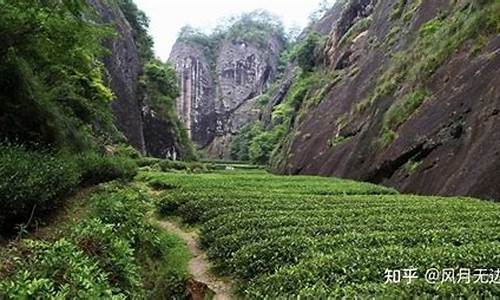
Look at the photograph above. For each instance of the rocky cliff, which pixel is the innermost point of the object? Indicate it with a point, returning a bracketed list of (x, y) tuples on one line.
[(413, 101), (148, 131), (123, 67), (220, 86)]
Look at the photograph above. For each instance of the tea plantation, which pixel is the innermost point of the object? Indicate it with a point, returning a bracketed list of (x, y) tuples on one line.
[(283, 237)]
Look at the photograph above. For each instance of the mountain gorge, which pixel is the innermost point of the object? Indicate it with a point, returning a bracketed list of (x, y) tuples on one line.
[(402, 93), (125, 176)]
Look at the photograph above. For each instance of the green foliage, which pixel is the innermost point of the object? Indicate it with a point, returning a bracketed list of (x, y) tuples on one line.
[(399, 113), (398, 9), (241, 143), (35, 183), (339, 140), (58, 269), (32, 183), (170, 202), (52, 89), (285, 237), (412, 166), (259, 145), (161, 259), (189, 34), (305, 53), (95, 168), (254, 27), (359, 27), (438, 39), (125, 150), (113, 253), (160, 86), (262, 145), (140, 25), (264, 100)]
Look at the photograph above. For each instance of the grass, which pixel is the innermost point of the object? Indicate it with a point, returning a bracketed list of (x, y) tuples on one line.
[(399, 113), (359, 27), (283, 237)]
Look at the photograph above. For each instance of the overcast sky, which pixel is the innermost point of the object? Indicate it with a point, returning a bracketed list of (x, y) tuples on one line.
[(169, 16)]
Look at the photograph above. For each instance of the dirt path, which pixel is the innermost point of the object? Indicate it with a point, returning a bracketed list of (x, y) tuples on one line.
[(199, 266)]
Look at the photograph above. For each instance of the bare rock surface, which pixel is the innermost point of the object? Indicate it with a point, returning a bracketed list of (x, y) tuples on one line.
[(219, 88)]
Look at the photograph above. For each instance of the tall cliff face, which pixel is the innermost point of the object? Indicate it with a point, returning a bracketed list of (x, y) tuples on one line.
[(220, 88), (123, 67), (196, 104), (413, 102), (151, 132)]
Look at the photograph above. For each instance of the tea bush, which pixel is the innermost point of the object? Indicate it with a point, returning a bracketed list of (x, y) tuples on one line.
[(96, 168), (113, 253), (34, 183), (58, 269), (317, 238)]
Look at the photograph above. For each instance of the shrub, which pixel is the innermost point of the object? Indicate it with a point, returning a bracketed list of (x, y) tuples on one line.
[(162, 258), (241, 143), (169, 203), (158, 184), (31, 183), (306, 52), (58, 269), (124, 150), (34, 183), (114, 254), (96, 168), (399, 113), (147, 161), (359, 27)]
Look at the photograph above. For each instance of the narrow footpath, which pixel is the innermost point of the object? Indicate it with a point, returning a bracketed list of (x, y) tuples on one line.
[(199, 267)]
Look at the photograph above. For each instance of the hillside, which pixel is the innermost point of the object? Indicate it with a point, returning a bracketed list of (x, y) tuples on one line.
[(402, 93)]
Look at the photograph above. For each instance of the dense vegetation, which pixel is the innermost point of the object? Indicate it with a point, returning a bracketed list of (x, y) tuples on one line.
[(56, 123), (258, 144), (160, 88), (437, 39), (52, 89), (284, 237), (256, 27), (34, 184), (158, 84), (110, 252)]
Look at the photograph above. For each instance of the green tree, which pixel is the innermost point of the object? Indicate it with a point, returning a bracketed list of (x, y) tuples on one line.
[(51, 87), (139, 22), (306, 52), (241, 143)]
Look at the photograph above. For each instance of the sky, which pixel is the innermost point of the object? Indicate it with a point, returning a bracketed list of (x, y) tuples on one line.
[(169, 16)]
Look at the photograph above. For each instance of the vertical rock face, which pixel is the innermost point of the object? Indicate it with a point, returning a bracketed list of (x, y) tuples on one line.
[(196, 104), (444, 142), (219, 90), (123, 68), (142, 126)]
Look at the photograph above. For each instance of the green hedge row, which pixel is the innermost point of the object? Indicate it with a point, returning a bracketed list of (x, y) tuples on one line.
[(34, 183), (113, 253)]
